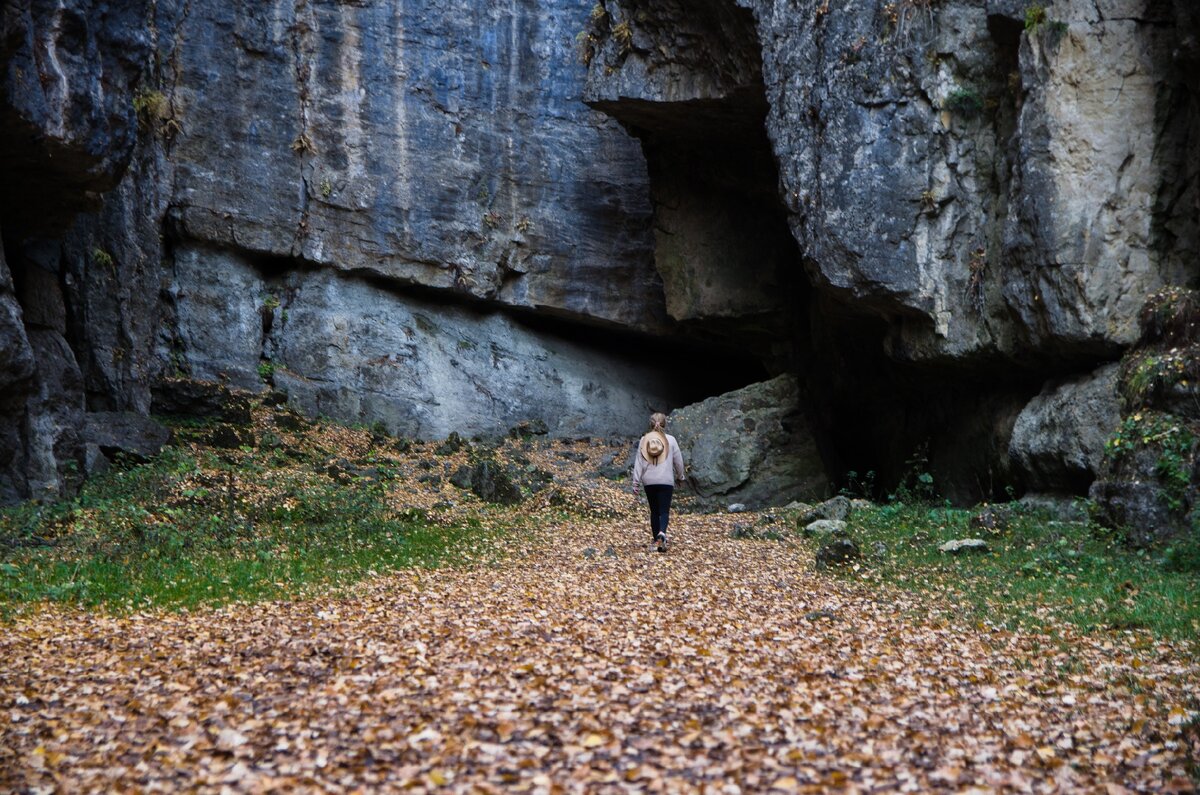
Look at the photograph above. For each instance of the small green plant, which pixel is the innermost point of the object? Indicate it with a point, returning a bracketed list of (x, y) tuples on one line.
[(151, 107), (102, 258), (326, 188), (1035, 17), (270, 301), (916, 484), (964, 101), (524, 225), (266, 371), (1176, 447), (929, 201), (859, 486)]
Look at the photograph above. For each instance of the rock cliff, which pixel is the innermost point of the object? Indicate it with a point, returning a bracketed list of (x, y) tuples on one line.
[(938, 217)]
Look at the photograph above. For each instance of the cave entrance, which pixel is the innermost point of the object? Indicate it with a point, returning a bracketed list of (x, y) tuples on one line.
[(686, 80), (730, 268)]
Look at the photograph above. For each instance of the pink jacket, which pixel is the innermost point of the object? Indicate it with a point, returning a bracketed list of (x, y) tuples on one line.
[(664, 473)]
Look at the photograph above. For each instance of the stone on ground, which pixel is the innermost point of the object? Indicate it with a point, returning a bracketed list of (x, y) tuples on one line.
[(752, 445)]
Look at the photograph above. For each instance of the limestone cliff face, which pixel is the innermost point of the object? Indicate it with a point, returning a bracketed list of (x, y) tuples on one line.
[(966, 189), (439, 143), (454, 214)]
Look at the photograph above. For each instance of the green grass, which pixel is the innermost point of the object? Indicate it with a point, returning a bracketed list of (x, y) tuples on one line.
[(1038, 572), (191, 529)]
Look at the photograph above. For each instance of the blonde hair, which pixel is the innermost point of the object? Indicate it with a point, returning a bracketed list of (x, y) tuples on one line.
[(658, 421)]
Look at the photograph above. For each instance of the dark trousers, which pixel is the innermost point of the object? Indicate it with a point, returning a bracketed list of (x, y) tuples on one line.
[(659, 498)]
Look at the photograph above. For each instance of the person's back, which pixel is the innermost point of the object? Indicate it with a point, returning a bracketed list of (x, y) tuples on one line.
[(657, 465), (667, 471)]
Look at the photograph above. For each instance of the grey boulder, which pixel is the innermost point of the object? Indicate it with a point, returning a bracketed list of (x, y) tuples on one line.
[(964, 545), (752, 445), (825, 528)]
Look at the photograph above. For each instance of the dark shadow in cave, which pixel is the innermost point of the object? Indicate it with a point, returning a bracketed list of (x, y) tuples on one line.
[(734, 274)]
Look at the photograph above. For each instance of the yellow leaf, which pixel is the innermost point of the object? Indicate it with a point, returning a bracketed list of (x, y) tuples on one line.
[(593, 740)]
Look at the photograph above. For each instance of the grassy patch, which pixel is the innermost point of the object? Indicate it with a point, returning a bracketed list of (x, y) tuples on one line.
[(1038, 571), (195, 528)]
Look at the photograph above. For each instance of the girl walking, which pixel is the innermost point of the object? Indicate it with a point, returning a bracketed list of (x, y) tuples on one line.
[(656, 467)]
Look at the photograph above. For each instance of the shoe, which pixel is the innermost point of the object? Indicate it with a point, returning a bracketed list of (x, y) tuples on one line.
[(661, 538)]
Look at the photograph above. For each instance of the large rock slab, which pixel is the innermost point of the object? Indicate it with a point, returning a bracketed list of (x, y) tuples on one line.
[(347, 348), (752, 445), (440, 143), (1058, 439)]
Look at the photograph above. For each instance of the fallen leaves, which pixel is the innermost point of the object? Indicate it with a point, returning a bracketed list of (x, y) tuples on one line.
[(722, 666)]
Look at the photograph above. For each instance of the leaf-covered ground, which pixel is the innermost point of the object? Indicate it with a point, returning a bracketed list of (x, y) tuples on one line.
[(579, 660), (722, 664)]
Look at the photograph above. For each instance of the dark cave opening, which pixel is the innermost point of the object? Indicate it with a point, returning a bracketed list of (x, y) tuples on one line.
[(734, 274)]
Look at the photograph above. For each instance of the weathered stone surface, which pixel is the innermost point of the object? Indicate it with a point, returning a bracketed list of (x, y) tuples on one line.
[(962, 546), (838, 552), (929, 159), (1058, 439), (125, 432), (68, 69), (347, 348), (54, 417), (16, 378), (752, 445), (825, 528), (220, 301), (439, 143), (899, 167), (836, 509)]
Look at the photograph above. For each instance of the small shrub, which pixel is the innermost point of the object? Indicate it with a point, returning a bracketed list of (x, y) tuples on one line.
[(266, 371), (102, 258), (964, 102), (916, 485), (1035, 17), (151, 108), (326, 188)]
